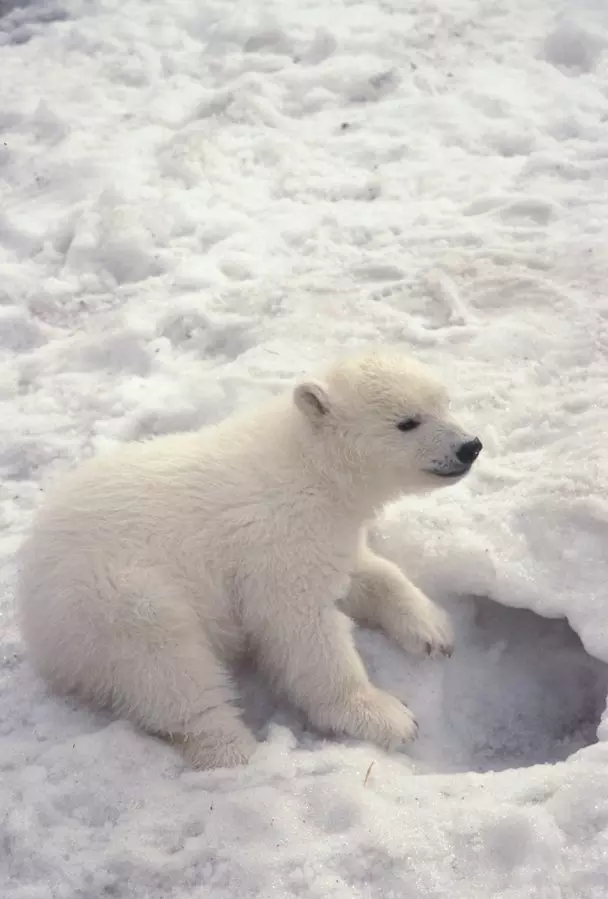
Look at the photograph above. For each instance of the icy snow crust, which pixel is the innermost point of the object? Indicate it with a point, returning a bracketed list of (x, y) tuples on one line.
[(201, 200)]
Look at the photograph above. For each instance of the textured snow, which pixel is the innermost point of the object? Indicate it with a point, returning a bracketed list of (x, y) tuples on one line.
[(201, 199)]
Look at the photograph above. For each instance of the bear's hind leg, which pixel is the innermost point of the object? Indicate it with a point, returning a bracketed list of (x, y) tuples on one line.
[(166, 678)]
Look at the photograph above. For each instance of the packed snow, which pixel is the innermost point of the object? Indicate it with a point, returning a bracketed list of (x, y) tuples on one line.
[(201, 200)]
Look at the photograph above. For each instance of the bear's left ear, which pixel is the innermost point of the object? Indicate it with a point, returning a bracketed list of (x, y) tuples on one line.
[(311, 398)]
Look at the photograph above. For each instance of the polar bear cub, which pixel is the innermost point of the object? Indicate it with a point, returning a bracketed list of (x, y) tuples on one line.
[(154, 568)]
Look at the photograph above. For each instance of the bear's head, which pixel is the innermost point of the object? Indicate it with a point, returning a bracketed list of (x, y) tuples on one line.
[(384, 417)]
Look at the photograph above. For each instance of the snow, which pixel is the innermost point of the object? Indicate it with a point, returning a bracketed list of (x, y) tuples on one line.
[(200, 201)]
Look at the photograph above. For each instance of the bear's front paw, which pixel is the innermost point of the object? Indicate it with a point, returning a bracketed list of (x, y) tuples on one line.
[(204, 752), (380, 718), (424, 629)]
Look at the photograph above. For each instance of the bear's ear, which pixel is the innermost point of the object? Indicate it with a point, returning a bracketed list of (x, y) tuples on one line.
[(311, 399)]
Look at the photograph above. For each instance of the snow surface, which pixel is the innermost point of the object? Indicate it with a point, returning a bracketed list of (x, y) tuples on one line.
[(201, 199)]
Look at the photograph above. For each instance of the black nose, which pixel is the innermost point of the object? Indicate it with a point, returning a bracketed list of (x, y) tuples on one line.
[(469, 451)]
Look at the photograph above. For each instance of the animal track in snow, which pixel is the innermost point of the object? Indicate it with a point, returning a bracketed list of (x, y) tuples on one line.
[(211, 336), (572, 48)]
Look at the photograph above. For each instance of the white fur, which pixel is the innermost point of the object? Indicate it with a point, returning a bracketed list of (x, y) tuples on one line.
[(153, 568)]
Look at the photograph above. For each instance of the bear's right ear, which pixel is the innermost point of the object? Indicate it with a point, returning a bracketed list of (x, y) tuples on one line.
[(311, 398)]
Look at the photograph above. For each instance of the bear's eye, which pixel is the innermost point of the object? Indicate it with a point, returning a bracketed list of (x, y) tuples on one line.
[(408, 424)]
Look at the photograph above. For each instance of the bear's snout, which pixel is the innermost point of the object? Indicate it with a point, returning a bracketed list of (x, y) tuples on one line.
[(468, 452)]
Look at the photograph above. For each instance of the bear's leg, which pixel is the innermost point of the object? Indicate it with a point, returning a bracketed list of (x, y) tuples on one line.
[(165, 677), (307, 651), (381, 596)]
